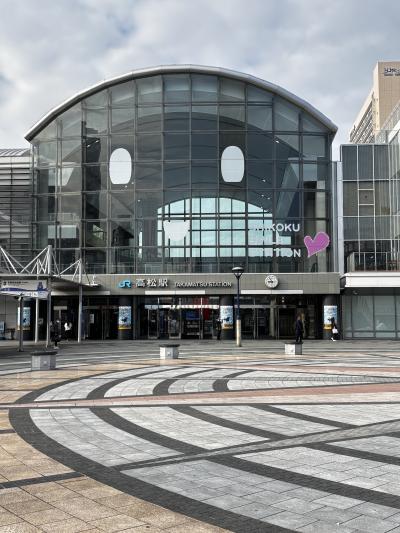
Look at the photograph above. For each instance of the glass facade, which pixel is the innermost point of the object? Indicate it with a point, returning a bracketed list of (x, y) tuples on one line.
[(371, 214), (183, 172), (371, 315)]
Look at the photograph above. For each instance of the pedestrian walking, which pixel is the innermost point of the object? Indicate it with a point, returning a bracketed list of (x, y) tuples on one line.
[(67, 330), (219, 328), (335, 331), (55, 332), (299, 330)]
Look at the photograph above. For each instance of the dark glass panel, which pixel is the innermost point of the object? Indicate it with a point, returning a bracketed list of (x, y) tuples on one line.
[(176, 175), (315, 205), (96, 234), (71, 151), (259, 117), (260, 146), (314, 147), (148, 232), (260, 174), (148, 146), (176, 118), (287, 147), (96, 121), (69, 235), (349, 159), (95, 261), (149, 260), (313, 173), (381, 162), (123, 94), (71, 122), (231, 117), (287, 175), (70, 179), (122, 120), (149, 90), (176, 88), (286, 116), (123, 141), (350, 227), (366, 227), (148, 176), (254, 94), (176, 146), (176, 202), (123, 260), (47, 154), (204, 174), (122, 233), (69, 207), (149, 118), (260, 201), (99, 99), (95, 205), (350, 200), (122, 204), (231, 90), (95, 177), (232, 139), (204, 146), (96, 149), (310, 124), (287, 204), (204, 88), (45, 180), (204, 117), (382, 198), (148, 203), (46, 207), (365, 162)]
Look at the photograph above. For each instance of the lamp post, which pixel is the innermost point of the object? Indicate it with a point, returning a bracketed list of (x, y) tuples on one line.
[(238, 271)]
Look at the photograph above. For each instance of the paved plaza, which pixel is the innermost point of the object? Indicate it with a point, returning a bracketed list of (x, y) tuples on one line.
[(222, 439)]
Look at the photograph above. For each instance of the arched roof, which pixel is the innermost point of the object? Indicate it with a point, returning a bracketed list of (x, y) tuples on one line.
[(174, 69)]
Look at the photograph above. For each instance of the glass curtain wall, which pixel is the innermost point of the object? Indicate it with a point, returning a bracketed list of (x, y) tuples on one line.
[(183, 173), (371, 192), (371, 315)]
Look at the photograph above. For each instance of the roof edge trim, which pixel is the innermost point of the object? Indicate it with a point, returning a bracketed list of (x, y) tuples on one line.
[(170, 69)]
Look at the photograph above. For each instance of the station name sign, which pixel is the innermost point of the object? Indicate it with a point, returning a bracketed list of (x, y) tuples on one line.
[(163, 283)]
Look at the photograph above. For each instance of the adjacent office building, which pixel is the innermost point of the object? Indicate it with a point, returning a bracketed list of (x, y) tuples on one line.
[(378, 106)]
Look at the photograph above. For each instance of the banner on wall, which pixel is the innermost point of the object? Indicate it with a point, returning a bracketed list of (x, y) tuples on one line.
[(330, 315), (124, 317), (26, 289), (26, 318), (226, 316)]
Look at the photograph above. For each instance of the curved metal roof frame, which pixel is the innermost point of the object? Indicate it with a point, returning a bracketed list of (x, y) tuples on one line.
[(174, 69)]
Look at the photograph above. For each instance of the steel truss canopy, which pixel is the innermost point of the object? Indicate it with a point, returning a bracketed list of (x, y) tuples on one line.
[(44, 266)]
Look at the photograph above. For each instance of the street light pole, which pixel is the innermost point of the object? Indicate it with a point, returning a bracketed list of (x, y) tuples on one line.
[(238, 271)]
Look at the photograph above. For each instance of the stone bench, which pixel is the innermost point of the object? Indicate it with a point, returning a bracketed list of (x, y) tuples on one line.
[(293, 348), (169, 351), (43, 360)]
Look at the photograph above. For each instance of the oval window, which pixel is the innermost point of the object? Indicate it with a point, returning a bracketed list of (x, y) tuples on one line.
[(232, 164), (120, 166)]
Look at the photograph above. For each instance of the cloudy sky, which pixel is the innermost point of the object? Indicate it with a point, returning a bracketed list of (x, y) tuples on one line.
[(322, 51)]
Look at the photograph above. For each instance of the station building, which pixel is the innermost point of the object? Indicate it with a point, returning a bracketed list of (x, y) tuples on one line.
[(163, 180)]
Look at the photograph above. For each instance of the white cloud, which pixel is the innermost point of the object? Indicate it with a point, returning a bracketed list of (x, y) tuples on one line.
[(323, 52)]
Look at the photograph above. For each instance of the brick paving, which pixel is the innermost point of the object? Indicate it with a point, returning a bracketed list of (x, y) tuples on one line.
[(207, 443)]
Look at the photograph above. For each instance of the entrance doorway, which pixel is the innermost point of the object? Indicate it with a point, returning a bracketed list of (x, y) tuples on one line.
[(100, 323)]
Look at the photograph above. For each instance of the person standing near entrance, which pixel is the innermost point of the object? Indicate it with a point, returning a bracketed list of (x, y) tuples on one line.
[(299, 330), (219, 328), (67, 330), (335, 331)]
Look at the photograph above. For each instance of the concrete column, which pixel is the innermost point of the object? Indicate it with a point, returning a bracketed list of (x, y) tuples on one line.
[(125, 318), (330, 308), (226, 314)]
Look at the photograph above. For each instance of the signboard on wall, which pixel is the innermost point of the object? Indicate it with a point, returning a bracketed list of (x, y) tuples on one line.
[(27, 289), (124, 317), (330, 315), (26, 318), (226, 316)]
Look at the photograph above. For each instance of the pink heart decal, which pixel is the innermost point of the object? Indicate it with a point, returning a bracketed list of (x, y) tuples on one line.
[(317, 244)]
